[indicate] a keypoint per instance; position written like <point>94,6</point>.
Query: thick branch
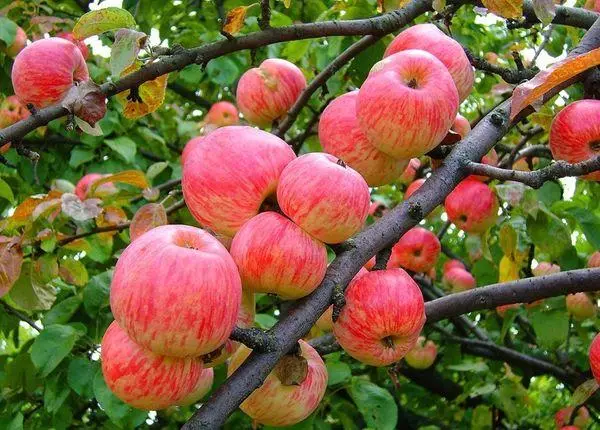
<point>253,338</point>
<point>536,179</point>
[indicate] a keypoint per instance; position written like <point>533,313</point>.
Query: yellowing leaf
<point>25,209</point>
<point>508,270</point>
<point>146,98</point>
<point>101,20</point>
<point>287,3</point>
<point>234,21</point>
<point>135,178</point>
<point>532,91</point>
<point>11,260</point>
<point>111,216</point>
<point>511,9</point>
<point>146,218</point>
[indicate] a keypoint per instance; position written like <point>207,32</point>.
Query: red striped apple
<point>563,417</point>
<point>11,111</point>
<point>382,318</point>
<point>230,174</point>
<point>36,83</point>
<point>143,379</point>
<point>189,148</point>
<point>18,44</point>
<point>290,393</point>
<point>418,250</point>
<point>410,172</point>
<point>422,355</point>
<point>545,268</point>
<point>79,43</point>
<point>414,186</point>
<point>158,297</point>
<point>575,135</point>
<point>201,389</point>
<point>267,92</point>
<point>340,135</point>
<point>594,355</point>
<point>472,206</point>
<point>222,114</point>
<point>458,280</point>
<point>461,125</point>
<point>580,306</point>
<point>453,264</point>
<point>328,199</point>
<point>594,260</point>
<point>276,256</point>
<point>429,38</point>
<point>407,104</point>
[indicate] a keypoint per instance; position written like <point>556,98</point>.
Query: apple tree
<point>309,214</point>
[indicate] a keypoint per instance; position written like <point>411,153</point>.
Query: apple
<point>414,186</point>
<point>545,268</point>
<point>491,159</point>
<point>267,92</point>
<point>36,83</point>
<point>580,306</point>
<point>382,318</point>
<point>276,256</point>
<point>230,173</point>
<point>85,183</point>
<point>290,393</point>
<point>429,38</point>
<point>176,291</point>
<point>422,355</point>
<point>189,147</point>
<point>222,114</point>
<point>201,389</point>
<point>432,274</point>
<point>79,43</point>
<point>461,125</point>
<point>594,260</point>
<point>340,135</point>
<point>458,280</point>
<point>377,209</point>
<point>595,357</point>
<point>407,104</point>
<point>418,250</point>
<point>410,172</point>
<point>143,379</point>
<point>12,111</point>
<point>328,199</point>
<point>472,206</point>
<point>18,44</point>
<point>371,263</point>
<point>491,57</point>
<point>563,417</point>
<point>574,136</point>
<point>453,264</point>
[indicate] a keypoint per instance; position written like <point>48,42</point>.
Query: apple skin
<point>276,256</point>
<point>422,355</point>
<point>453,264</point>
<point>83,186</point>
<point>594,260</point>
<point>275,404</point>
<point>410,172</point>
<point>461,125</point>
<point>418,250</point>
<point>580,306</point>
<point>431,39</point>
<point>414,186</point>
<point>563,416</point>
<point>143,379</point>
<point>230,173</point>
<point>458,280</point>
<point>189,148</point>
<point>594,355</point>
<point>162,303</point>
<point>36,83</point>
<point>85,52</point>
<point>267,92</point>
<point>11,111</point>
<point>201,389</point>
<point>472,206</point>
<point>407,104</point>
<point>340,135</point>
<point>328,199</point>
<point>545,268</point>
<point>491,159</point>
<point>371,263</point>
<point>18,44</point>
<point>382,318</point>
<point>222,114</point>
<point>575,135</point>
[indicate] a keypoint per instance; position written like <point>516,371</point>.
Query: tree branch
<point>10,310</point>
<point>264,21</point>
<point>512,76</point>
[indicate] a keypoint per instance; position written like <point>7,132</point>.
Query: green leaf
<point>51,347</point>
<point>485,272</point>
<point>80,376</point>
<point>123,146</point>
<point>12,422</point>
<point>56,392</point>
<point>6,192</point>
<point>30,296</point>
<point>223,71</point>
<point>482,417</point>
<point>86,127</point>
<point>551,327</point>
<point>549,234</point>
<point>125,49</point>
<point>116,410</point>
<point>361,65</point>
<point>545,10</point>
<point>549,193</point>
<point>155,169</point>
<point>475,366</point>
<point>8,30</point>
<point>62,312</point>
<point>73,271</point>
<point>376,404</point>
<point>96,293</point>
<point>80,156</point>
<point>296,50</point>
<point>589,222</point>
<point>265,321</point>
<point>101,20</point>
<point>338,372</point>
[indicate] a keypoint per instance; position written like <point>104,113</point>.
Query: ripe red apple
<point>491,159</point>
<point>458,280</point>
<point>461,125</point>
<point>453,264</point>
<point>472,206</point>
<point>414,186</point>
<point>18,44</point>
<point>189,147</point>
<point>383,317</point>
<point>429,38</point>
<point>79,43</point>
<point>230,174</point>
<point>35,82</point>
<point>422,355</point>
<point>222,114</point>
<point>594,260</point>
<point>290,393</point>
<point>340,135</point>
<point>407,104</point>
<point>410,172</point>
<point>595,357</point>
<point>276,256</point>
<point>574,136</point>
<point>143,379</point>
<point>545,268</point>
<point>418,250</point>
<point>580,306</point>
<point>11,111</point>
<point>563,417</point>
<point>328,199</point>
<point>266,93</point>
<point>201,389</point>
<point>84,185</point>
<point>176,291</point>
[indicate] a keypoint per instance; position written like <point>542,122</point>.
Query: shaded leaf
<point>123,146</point>
<point>234,21</point>
<point>551,327</point>
<point>80,376</point>
<point>96,130</point>
<point>51,347</point>
<point>101,20</point>
<point>584,391</point>
<point>125,50</point>
<point>146,218</point>
<point>11,261</point>
<point>511,9</point>
<point>96,293</point>
<point>56,392</point>
<point>62,312</point>
<point>338,372</point>
<point>8,30</point>
<point>6,192</point>
<point>29,295</point>
<point>116,410</point>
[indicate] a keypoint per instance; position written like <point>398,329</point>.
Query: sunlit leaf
<point>146,218</point>
<point>101,20</point>
<point>545,10</point>
<point>234,21</point>
<point>511,9</point>
<point>146,99</point>
<point>134,178</point>
<point>125,50</point>
<point>73,271</point>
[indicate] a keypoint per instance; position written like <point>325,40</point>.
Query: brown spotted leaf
<point>144,99</point>
<point>510,9</point>
<point>234,21</point>
<point>11,260</point>
<point>532,91</point>
<point>146,218</point>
